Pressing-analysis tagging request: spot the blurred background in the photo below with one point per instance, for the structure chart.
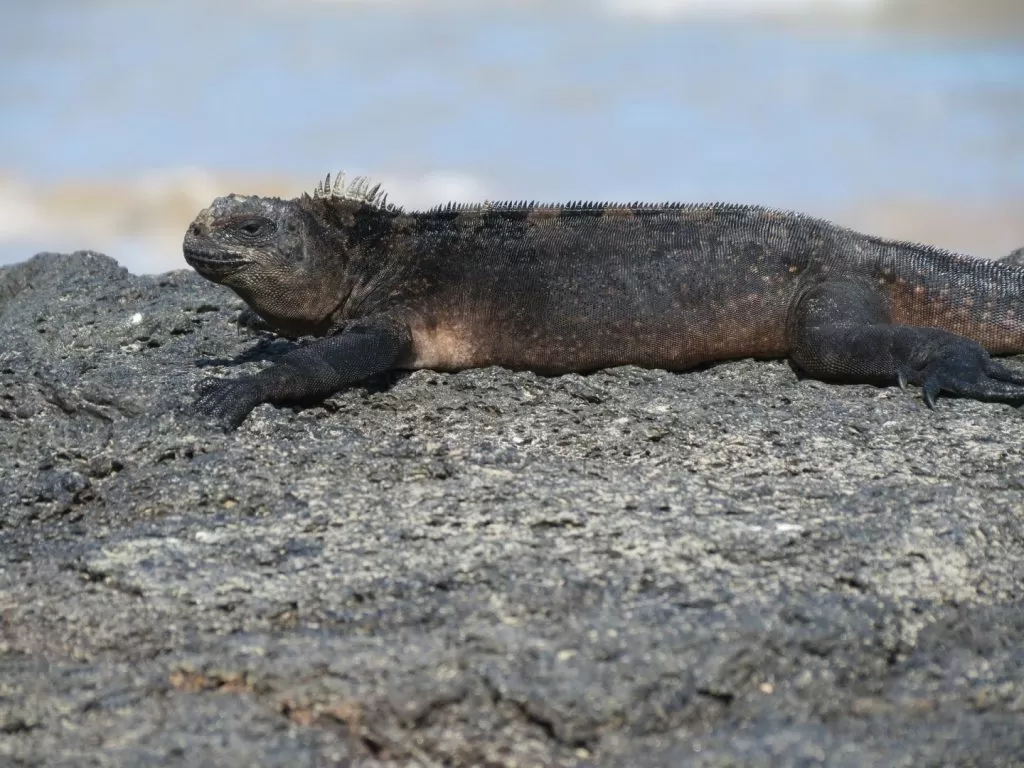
(120, 120)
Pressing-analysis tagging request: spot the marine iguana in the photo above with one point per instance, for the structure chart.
(584, 286)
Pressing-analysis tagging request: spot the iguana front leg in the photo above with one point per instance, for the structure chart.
(313, 372)
(841, 331)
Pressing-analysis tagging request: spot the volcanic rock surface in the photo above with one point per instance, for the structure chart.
(730, 566)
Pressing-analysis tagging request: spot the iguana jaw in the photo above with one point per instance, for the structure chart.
(216, 266)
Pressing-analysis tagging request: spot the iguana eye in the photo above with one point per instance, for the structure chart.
(256, 227)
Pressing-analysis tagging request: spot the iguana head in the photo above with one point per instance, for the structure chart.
(290, 260)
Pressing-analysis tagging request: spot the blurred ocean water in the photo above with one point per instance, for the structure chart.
(120, 120)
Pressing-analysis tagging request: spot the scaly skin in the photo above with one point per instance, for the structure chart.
(584, 286)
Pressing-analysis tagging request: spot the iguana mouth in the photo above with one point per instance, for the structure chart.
(213, 264)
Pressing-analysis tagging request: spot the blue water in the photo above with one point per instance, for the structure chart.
(561, 103)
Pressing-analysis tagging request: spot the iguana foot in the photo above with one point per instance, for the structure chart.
(966, 370)
(227, 401)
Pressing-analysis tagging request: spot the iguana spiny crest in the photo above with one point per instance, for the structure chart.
(359, 190)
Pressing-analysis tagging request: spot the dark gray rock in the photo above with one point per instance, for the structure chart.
(635, 568)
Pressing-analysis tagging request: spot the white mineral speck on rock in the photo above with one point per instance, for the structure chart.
(788, 528)
(136, 318)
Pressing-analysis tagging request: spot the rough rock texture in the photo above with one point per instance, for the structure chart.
(729, 566)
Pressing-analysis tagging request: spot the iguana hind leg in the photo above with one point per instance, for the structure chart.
(840, 331)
